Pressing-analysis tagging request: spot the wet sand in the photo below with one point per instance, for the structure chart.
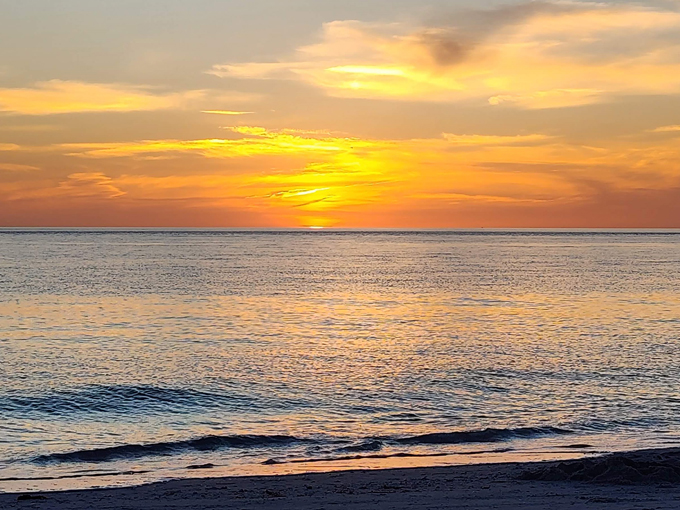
(634, 480)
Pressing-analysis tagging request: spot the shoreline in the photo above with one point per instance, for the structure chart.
(645, 478)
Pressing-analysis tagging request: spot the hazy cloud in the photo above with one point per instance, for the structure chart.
(666, 129)
(488, 140)
(89, 185)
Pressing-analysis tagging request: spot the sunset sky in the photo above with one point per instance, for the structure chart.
(352, 113)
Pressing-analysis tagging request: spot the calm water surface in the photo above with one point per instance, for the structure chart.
(148, 352)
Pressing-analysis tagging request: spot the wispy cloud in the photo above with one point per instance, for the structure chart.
(259, 141)
(89, 185)
(666, 129)
(487, 140)
(556, 98)
(226, 112)
(290, 193)
(253, 142)
(13, 167)
(58, 97)
(533, 55)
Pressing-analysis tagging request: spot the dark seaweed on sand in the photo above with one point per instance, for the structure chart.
(643, 467)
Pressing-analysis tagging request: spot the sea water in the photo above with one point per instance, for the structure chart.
(130, 356)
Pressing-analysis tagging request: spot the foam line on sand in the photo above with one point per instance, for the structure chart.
(642, 479)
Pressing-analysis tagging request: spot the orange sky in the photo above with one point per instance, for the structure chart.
(562, 114)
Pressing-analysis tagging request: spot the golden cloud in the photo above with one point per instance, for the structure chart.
(538, 55)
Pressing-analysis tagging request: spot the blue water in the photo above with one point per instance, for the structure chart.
(150, 352)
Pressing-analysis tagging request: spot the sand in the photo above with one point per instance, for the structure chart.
(635, 480)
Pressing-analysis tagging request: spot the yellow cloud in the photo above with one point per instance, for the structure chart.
(56, 96)
(538, 55)
(253, 142)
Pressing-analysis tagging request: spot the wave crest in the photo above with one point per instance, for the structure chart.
(132, 451)
(490, 435)
(118, 399)
(370, 444)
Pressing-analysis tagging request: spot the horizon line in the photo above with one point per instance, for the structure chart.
(339, 229)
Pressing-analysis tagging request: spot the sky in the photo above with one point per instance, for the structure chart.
(327, 113)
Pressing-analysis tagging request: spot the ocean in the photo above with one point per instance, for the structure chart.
(134, 356)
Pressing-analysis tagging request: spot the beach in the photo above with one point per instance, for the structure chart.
(642, 479)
